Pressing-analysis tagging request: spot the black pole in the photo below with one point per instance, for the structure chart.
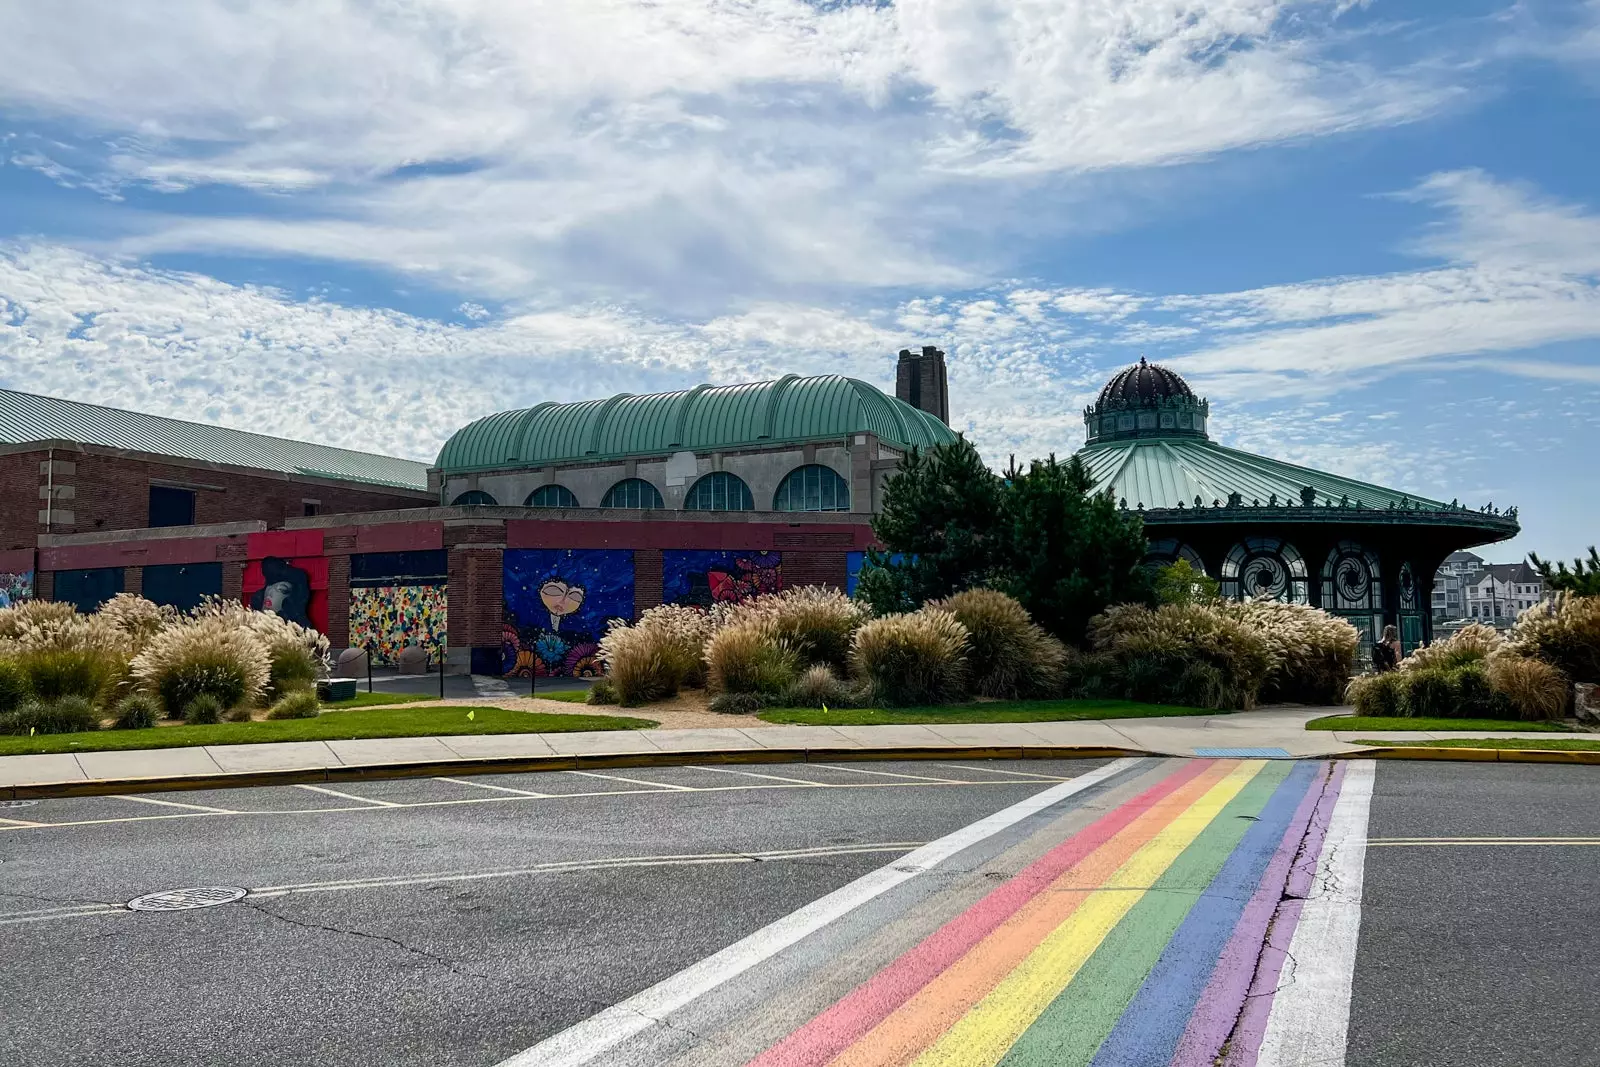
(368, 650)
(441, 674)
(533, 679)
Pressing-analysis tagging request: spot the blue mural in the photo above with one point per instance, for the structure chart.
(706, 577)
(558, 602)
(854, 561)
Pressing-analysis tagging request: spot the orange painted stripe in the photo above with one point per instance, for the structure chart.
(921, 1020)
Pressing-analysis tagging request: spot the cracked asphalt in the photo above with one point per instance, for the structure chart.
(460, 921)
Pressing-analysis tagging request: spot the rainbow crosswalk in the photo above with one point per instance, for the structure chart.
(1133, 943)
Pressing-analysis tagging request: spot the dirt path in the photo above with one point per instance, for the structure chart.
(686, 711)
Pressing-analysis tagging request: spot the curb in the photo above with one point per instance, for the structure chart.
(1478, 755)
(533, 764)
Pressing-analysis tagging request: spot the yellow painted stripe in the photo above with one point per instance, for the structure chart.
(987, 1032)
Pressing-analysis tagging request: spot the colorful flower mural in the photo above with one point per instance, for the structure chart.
(703, 578)
(387, 618)
(15, 586)
(558, 603)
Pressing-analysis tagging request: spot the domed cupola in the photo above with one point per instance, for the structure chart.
(1145, 400)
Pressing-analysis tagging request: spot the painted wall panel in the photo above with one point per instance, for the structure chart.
(296, 588)
(558, 603)
(183, 585)
(15, 587)
(88, 589)
(705, 577)
(386, 618)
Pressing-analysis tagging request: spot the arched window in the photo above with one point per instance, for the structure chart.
(812, 488)
(473, 496)
(1265, 567)
(551, 496)
(1170, 550)
(633, 493)
(1350, 579)
(719, 491)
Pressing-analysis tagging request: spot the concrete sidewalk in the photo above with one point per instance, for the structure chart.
(1278, 733)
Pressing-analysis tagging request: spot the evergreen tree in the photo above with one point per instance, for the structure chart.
(1180, 583)
(940, 523)
(1069, 552)
(1583, 579)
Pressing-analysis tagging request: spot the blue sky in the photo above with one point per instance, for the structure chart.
(1369, 231)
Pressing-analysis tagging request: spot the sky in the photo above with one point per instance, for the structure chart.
(1367, 230)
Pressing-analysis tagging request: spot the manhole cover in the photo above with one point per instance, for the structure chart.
(17, 803)
(205, 896)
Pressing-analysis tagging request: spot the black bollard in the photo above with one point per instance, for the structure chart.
(442, 656)
(368, 650)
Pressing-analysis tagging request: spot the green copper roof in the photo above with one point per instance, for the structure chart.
(25, 418)
(1173, 472)
(702, 419)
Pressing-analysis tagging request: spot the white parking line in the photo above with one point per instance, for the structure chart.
(595, 1036)
(173, 804)
(633, 781)
(754, 774)
(490, 785)
(1018, 774)
(19, 822)
(885, 774)
(350, 796)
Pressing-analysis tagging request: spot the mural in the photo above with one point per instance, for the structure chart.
(386, 618)
(854, 562)
(285, 591)
(704, 578)
(15, 587)
(558, 602)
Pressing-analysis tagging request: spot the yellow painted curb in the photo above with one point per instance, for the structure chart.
(1478, 755)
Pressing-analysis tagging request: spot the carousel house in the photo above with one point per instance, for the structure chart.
(1262, 527)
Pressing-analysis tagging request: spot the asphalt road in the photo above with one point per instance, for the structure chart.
(440, 921)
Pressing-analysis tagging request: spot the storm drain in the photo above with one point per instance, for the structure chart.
(205, 896)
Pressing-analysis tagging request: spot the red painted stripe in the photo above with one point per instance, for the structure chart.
(841, 1025)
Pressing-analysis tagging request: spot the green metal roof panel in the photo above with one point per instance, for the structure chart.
(702, 419)
(25, 417)
(1172, 472)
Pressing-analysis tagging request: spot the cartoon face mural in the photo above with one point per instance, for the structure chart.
(287, 592)
(15, 587)
(558, 603)
(706, 577)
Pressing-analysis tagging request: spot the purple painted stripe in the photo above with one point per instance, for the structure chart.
(1218, 1008)
(1252, 1025)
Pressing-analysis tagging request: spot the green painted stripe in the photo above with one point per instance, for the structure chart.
(1072, 1028)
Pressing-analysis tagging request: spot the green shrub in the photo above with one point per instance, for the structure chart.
(917, 658)
(203, 709)
(815, 623)
(1009, 656)
(1154, 648)
(658, 655)
(1427, 694)
(1476, 698)
(1565, 633)
(137, 711)
(1091, 676)
(76, 672)
(1377, 695)
(737, 703)
(1313, 652)
(749, 657)
(63, 715)
(1534, 689)
(819, 687)
(14, 688)
(242, 713)
(299, 704)
(291, 667)
(603, 691)
(1473, 643)
(208, 655)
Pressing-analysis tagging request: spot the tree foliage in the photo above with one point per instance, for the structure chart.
(1042, 535)
(1583, 579)
(1180, 583)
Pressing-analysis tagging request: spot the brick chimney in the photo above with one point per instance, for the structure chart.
(920, 381)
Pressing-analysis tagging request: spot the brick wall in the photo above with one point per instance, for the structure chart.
(647, 578)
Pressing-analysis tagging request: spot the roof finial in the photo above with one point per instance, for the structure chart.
(1141, 360)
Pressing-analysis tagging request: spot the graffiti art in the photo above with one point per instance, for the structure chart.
(558, 603)
(287, 592)
(15, 587)
(386, 618)
(706, 577)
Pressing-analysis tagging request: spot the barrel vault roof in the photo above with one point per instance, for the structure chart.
(705, 418)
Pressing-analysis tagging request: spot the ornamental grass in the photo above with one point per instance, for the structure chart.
(1009, 656)
(1564, 632)
(914, 658)
(1313, 652)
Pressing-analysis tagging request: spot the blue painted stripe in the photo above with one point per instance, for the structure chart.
(1243, 753)
(1150, 1028)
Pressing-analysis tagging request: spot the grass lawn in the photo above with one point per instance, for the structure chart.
(1559, 744)
(570, 696)
(398, 721)
(1379, 722)
(992, 711)
(367, 700)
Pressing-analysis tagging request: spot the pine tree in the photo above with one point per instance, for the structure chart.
(1583, 579)
(940, 524)
(1069, 552)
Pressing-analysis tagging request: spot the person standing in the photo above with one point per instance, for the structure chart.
(1386, 653)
